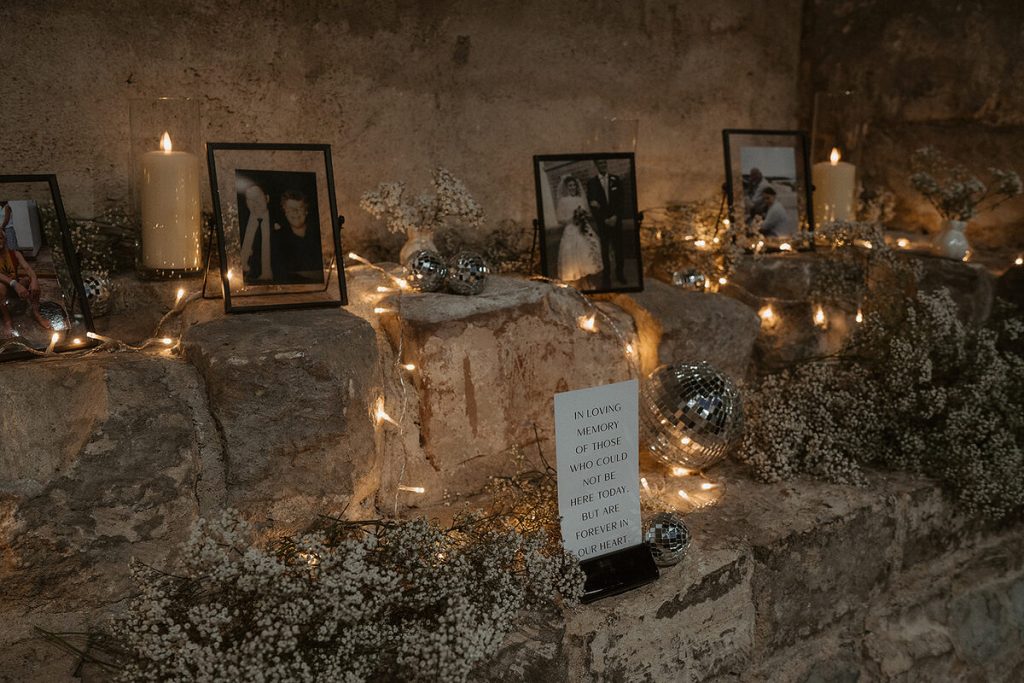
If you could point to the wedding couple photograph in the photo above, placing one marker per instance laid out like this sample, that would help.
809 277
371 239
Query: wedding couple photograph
587 208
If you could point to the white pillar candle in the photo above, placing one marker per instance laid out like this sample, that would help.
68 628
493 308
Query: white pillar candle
835 187
170 209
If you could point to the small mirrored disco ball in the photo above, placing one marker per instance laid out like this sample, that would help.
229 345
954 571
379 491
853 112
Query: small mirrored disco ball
98 292
668 538
691 280
427 271
690 414
467 273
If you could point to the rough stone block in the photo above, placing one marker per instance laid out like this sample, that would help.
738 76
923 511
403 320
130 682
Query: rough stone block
292 394
102 459
488 366
678 326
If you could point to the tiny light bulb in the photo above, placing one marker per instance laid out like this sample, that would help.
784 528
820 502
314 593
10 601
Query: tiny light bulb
402 283
383 290
700 243
381 415
707 486
678 471
722 280
726 222
379 309
716 240
767 314
685 440
180 296
588 322
629 349
53 342
231 273
860 316
1019 261
412 489
683 495
903 243
166 341
785 246
409 366
760 244
76 341
967 256
643 482
819 317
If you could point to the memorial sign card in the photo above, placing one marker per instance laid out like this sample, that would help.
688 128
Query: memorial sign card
596 442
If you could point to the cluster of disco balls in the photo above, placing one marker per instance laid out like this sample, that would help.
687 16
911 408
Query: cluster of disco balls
466 273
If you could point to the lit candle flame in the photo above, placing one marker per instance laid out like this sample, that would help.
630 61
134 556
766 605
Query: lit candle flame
588 322
834 156
165 142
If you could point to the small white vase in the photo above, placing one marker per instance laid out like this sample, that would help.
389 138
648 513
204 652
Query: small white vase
951 241
417 240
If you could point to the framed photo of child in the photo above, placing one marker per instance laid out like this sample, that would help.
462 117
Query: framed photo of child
43 309
277 226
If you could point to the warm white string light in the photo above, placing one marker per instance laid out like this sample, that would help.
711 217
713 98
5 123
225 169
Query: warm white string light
412 489
53 342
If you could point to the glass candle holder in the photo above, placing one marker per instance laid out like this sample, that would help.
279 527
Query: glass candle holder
165 151
837 140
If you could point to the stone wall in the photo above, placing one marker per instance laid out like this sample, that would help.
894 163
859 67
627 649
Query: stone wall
399 86
940 73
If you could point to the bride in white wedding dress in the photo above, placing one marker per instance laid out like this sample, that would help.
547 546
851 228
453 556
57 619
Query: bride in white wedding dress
579 252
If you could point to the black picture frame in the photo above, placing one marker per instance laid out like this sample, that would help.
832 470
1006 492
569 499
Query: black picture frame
67 291
798 186
293 178
582 167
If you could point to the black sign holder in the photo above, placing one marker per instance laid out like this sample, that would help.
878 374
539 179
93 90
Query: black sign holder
618 572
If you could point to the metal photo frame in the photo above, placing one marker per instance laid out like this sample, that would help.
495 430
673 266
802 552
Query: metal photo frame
589 226
785 178
277 223
38 246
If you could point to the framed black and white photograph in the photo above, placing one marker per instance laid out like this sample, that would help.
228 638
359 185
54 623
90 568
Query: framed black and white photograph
767 177
43 308
589 227
277 226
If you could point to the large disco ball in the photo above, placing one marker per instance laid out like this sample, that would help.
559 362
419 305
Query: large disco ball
690 414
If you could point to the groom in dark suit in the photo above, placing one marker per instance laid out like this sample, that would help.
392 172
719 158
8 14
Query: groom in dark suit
605 197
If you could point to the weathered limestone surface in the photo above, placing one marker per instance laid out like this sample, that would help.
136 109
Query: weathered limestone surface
488 366
806 581
794 285
291 394
678 326
101 460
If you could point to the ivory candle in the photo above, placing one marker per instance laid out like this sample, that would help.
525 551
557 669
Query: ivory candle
169 195
835 187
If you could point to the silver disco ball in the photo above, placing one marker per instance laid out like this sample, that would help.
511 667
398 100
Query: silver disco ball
668 538
467 273
427 271
98 292
691 280
690 414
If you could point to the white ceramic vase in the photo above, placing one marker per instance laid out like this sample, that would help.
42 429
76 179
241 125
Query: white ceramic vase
951 241
417 239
